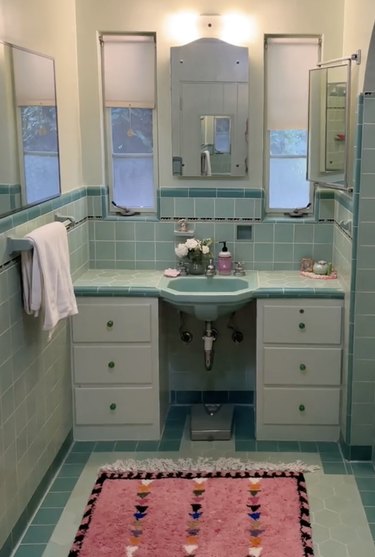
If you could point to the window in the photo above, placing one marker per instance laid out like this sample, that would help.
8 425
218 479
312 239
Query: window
288 60
36 114
40 152
129 99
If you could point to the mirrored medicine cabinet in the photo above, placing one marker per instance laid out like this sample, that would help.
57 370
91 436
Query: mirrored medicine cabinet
329 139
29 154
210 90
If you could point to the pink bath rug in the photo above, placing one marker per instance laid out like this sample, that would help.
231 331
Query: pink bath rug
196 514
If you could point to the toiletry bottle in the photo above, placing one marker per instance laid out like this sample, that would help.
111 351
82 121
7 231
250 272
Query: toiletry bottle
225 260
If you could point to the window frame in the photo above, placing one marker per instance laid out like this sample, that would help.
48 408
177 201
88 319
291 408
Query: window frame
267 134
108 144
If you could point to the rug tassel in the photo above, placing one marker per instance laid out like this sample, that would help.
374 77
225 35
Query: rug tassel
203 464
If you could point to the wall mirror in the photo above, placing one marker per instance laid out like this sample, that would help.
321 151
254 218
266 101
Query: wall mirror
328 140
210 92
29 154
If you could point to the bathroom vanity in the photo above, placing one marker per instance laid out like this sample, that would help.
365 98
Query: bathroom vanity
299 353
120 376
118 390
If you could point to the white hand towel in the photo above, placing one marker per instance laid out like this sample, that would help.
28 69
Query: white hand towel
206 163
47 283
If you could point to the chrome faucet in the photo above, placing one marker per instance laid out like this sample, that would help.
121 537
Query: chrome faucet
211 269
239 269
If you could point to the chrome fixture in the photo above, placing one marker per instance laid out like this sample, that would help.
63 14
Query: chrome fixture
208 340
239 269
211 269
346 225
182 268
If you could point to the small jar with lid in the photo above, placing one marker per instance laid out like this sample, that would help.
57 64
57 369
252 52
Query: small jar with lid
320 267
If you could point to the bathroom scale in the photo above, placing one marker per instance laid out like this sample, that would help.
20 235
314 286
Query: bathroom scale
211 422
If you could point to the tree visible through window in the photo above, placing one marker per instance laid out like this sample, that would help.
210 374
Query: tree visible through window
40 152
132 159
288 187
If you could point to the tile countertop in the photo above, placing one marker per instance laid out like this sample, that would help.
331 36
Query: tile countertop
127 282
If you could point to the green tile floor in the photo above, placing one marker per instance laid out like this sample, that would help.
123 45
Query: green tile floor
342 493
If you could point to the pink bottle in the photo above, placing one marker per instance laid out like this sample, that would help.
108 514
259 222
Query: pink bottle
224 261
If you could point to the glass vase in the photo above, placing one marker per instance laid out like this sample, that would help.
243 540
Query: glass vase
196 268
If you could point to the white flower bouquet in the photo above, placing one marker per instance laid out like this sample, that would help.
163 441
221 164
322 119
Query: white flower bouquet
194 250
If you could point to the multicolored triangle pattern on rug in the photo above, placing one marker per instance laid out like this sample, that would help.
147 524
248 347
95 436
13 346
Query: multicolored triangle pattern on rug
196 514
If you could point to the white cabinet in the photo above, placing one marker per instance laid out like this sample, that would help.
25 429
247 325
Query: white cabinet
115 357
299 351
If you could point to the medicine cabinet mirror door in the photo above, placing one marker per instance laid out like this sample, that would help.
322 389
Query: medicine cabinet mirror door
29 154
329 141
210 94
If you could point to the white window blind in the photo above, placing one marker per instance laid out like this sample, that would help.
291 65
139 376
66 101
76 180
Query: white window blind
33 79
288 63
129 70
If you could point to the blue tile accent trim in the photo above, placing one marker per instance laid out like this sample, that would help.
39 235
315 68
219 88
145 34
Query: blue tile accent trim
10 188
202 192
174 192
96 190
35 500
325 194
254 194
194 397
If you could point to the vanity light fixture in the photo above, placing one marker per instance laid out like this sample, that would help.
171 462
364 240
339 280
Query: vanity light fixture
234 28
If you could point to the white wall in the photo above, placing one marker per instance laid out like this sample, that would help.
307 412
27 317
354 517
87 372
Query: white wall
359 19
48 26
273 16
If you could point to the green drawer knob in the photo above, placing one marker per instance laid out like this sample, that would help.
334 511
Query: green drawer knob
112 406
109 324
301 407
302 367
301 326
111 364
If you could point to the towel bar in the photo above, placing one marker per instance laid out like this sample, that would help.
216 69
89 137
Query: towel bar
18 244
63 218
15 245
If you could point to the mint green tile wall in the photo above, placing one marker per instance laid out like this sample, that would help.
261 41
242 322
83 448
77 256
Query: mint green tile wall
274 246
363 357
342 261
278 244
35 379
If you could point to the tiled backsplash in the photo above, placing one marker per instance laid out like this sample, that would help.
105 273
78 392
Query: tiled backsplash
150 245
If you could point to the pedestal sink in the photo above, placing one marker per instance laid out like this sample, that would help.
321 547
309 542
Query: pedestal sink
209 297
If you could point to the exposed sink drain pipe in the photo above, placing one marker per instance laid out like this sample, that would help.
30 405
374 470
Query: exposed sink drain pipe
208 340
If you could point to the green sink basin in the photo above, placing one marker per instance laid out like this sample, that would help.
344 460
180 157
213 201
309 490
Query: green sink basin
209 297
207 284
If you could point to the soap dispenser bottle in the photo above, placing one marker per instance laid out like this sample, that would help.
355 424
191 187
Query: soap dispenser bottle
225 260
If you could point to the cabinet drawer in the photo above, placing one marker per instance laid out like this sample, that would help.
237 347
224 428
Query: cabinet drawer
301 406
302 366
112 323
112 364
106 406
302 323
